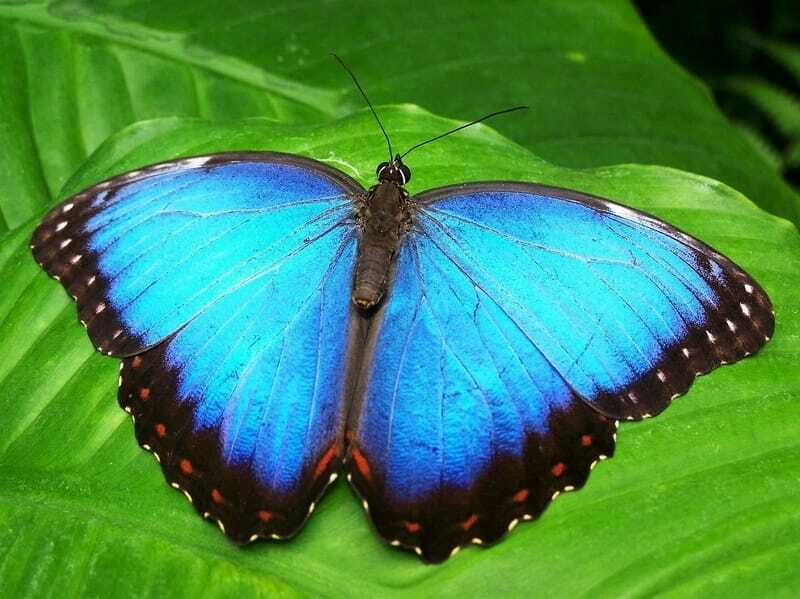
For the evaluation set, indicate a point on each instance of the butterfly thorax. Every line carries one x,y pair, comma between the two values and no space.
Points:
384,216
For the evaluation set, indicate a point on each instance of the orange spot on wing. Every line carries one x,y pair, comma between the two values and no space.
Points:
323,464
520,495
586,440
186,466
469,522
361,463
264,515
558,469
144,392
216,496
412,527
136,362
160,429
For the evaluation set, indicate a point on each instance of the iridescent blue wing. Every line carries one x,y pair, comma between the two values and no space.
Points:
224,281
525,321
145,252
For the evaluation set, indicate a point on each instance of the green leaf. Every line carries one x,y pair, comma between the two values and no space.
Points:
69,83
601,91
701,500
761,146
785,54
793,155
781,107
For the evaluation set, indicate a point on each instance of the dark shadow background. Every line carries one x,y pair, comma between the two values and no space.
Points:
748,53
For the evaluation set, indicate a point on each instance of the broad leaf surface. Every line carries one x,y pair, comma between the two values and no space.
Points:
699,501
601,91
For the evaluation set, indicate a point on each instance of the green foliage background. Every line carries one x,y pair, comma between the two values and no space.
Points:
749,54
700,500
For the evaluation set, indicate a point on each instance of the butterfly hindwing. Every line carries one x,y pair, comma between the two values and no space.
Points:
524,321
243,405
229,278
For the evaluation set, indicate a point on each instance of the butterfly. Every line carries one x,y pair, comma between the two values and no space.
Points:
462,356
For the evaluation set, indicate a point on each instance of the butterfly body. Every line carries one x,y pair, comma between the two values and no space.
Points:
384,217
463,355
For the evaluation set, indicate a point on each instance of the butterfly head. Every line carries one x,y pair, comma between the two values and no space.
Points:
394,171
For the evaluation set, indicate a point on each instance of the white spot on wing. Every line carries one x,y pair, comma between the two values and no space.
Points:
748,288
65,243
67,207
731,326
661,376
61,225
196,162
745,309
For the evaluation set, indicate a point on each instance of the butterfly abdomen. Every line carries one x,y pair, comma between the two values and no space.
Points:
384,219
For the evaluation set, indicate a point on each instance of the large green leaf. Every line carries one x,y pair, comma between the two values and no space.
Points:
702,499
601,91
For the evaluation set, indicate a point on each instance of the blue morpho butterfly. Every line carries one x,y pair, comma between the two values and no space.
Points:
463,355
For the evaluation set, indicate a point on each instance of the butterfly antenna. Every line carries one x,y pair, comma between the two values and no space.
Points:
363,93
475,122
